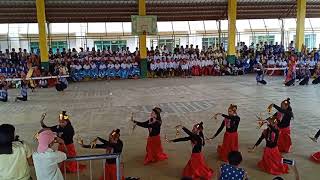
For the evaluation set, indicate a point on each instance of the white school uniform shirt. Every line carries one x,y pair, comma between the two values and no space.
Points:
46,164
152,67
284,63
93,66
102,66
123,66
271,62
156,57
312,63
203,63
117,66
110,66
78,67
129,65
86,66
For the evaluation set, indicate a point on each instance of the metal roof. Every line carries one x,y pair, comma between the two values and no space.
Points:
23,11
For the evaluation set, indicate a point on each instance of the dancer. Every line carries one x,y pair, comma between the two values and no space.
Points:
62,83
114,145
154,148
196,167
230,139
317,75
65,131
23,91
260,75
306,76
271,159
291,74
284,116
315,156
3,91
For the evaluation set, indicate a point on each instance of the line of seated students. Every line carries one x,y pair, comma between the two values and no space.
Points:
94,69
193,67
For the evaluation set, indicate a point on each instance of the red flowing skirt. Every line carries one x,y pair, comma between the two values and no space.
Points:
154,150
110,172
271,162
197,168
315,157
196,71
284,142
70,166
230,143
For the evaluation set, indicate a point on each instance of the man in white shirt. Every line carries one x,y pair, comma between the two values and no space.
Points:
46,159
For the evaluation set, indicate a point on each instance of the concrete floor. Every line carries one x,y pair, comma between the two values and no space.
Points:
95,108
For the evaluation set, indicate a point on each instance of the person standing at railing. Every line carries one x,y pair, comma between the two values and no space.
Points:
154,147
114,145
65,131
46,159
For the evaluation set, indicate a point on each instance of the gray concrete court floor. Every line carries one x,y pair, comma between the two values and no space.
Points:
95,108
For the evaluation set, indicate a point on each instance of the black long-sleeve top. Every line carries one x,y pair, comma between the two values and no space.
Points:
286,117
115,148
153,126
65,133
271,136
230,122
195,139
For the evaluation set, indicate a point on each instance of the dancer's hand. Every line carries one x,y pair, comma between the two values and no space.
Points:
59,140
179,126
251,149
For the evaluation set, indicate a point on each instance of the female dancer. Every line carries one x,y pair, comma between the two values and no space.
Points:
154,148
62,83
65,131
260,75
271,159
230,139
284,116
114,145
196,167
316,156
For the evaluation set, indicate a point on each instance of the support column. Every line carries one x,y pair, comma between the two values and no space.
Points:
219,33
301,14
41,17
232,17
282,33
143,43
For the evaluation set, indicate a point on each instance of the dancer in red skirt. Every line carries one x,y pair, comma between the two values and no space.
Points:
316,156
196,167
154,148
284,116
65,131
114,145
230,139
271,159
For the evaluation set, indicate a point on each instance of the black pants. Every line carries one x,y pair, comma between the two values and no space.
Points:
290,83
304,81
4,99
316,81
61,86
317,135
263,82
23,98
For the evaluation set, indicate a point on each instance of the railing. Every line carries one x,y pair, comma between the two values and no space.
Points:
36,78
95,157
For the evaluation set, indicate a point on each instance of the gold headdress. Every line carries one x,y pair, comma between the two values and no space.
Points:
63,116
233,107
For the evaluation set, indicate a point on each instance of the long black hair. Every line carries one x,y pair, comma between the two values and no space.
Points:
287,101
6,138
157,111
200,127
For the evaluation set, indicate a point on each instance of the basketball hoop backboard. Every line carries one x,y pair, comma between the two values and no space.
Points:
144,25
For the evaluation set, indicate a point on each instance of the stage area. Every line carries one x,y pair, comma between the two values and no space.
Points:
95,108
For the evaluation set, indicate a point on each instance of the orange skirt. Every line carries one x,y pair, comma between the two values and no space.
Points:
154,150
284,142
197,168
315,157
110,172
271,162
70,166
230,143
